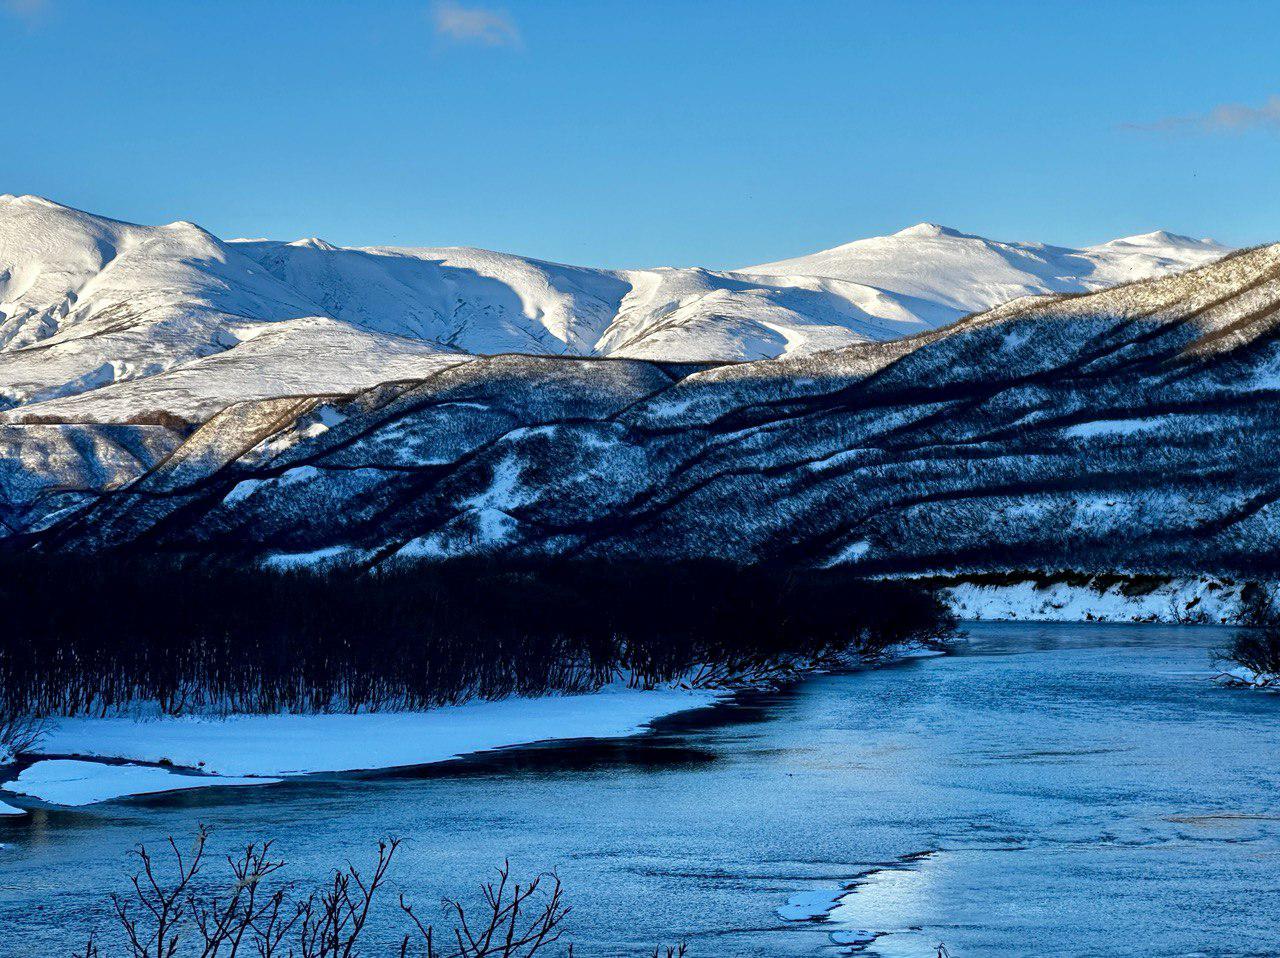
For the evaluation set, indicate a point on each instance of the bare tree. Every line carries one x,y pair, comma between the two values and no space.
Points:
18,733
170,916
155,930
331,923
671,951
167,916
246,911
1256,644
508,927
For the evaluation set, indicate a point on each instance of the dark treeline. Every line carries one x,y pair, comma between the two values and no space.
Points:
95,634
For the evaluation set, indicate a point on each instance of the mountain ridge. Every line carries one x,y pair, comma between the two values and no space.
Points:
89,303
1129,429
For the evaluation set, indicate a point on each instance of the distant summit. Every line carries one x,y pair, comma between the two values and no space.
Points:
961,273
1164,240
931,229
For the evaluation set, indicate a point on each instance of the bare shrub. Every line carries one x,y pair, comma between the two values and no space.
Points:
18,734
508,926
172,912
1256,644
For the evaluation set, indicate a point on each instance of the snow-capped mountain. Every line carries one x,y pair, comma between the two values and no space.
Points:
1129,429
108,321
959,273
483,302
88,302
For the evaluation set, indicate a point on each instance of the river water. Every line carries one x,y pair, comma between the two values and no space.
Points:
1048,790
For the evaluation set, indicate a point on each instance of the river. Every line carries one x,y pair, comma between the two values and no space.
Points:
1048,790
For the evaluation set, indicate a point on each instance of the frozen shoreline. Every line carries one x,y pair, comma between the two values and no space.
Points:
1243,677
1199,600
83,761
262,749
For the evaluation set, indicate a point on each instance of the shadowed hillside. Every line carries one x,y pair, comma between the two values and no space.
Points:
1126,429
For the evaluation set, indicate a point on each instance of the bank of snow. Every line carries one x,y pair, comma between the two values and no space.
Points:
69,782
1200,600
258,749
1242,676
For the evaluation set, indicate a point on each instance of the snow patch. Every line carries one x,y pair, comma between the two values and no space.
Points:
1242,677
306,560
810,905
850,553
242,490
1109,427
73,782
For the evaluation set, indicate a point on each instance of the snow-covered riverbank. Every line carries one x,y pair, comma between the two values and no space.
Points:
174,753
85,760
82,761
1240,676
1192,601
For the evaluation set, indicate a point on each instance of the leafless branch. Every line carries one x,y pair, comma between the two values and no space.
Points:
169,916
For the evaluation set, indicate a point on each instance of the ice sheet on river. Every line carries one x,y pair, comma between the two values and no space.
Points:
284,745
69,782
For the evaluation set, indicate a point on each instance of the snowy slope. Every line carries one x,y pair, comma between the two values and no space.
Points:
293,357
170,319
86,301
875,289
469,299
960,273
484,302
65,275
683,314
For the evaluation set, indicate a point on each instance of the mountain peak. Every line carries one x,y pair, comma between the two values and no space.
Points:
929,230
1159,238
30,199
313,242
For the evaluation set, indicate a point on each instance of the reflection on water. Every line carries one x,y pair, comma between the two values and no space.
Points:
1078,789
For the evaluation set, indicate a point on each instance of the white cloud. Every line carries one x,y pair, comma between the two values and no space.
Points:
1224,118
467,24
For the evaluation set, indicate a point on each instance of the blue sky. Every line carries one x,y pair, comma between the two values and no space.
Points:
636,134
